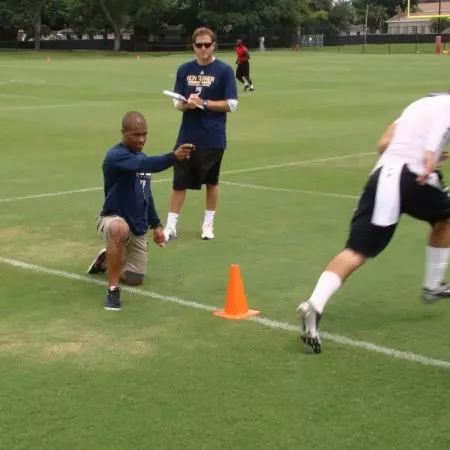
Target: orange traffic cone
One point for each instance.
(235, 302)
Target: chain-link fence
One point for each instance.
(255, 40)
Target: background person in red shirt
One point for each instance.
(243, 66)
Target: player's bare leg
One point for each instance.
(116, 252)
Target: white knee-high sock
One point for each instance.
(326, 286)
(436, 266)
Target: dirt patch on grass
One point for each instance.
(12, 233)
(62, 339)
(42, 247)
(66, 348)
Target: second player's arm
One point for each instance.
(437, 135)
(385, 140)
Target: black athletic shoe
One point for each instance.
(112, 299)
(99, 264)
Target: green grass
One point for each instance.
(161, 376)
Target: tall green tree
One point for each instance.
(381, 10)
(438, 25)
(148, 16)
(29, 12)
(8, 30)
(342, 15)
(116, 12)
(87, 16)
(239, 14)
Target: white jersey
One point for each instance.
(423, 126)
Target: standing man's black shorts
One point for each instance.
(203, 167)
(243, 69)
(426, 203)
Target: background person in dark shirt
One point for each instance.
(209, 86)
(129, 210)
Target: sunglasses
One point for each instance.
(203, 44)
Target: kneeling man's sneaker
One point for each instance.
(112, 299)
(99, 263)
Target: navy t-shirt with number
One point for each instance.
(215, 81)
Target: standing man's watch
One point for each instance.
(204, 104)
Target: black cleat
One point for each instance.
(312, 343)
(433, 295)
(309, 327)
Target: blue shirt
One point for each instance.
(204, 128)
(128, 194)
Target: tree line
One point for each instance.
(149, 17)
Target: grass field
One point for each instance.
(165, 373)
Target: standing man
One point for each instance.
(243, 66)
(209, 86)
(128, 210)
(403, 181)
(261, 44)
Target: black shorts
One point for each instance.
(425, 203)
(243, 69)
(202, 168)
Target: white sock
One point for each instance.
(436, 266)
(209, 217)
(326, 286)
(172, 219)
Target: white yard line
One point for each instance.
(20, 96)
(227, 172)
(297, 163)
(56, 194)
(298, 191)
(50, 194)
(53, 106)
(68, 105)
(341, 340)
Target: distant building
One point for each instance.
(402, 24)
